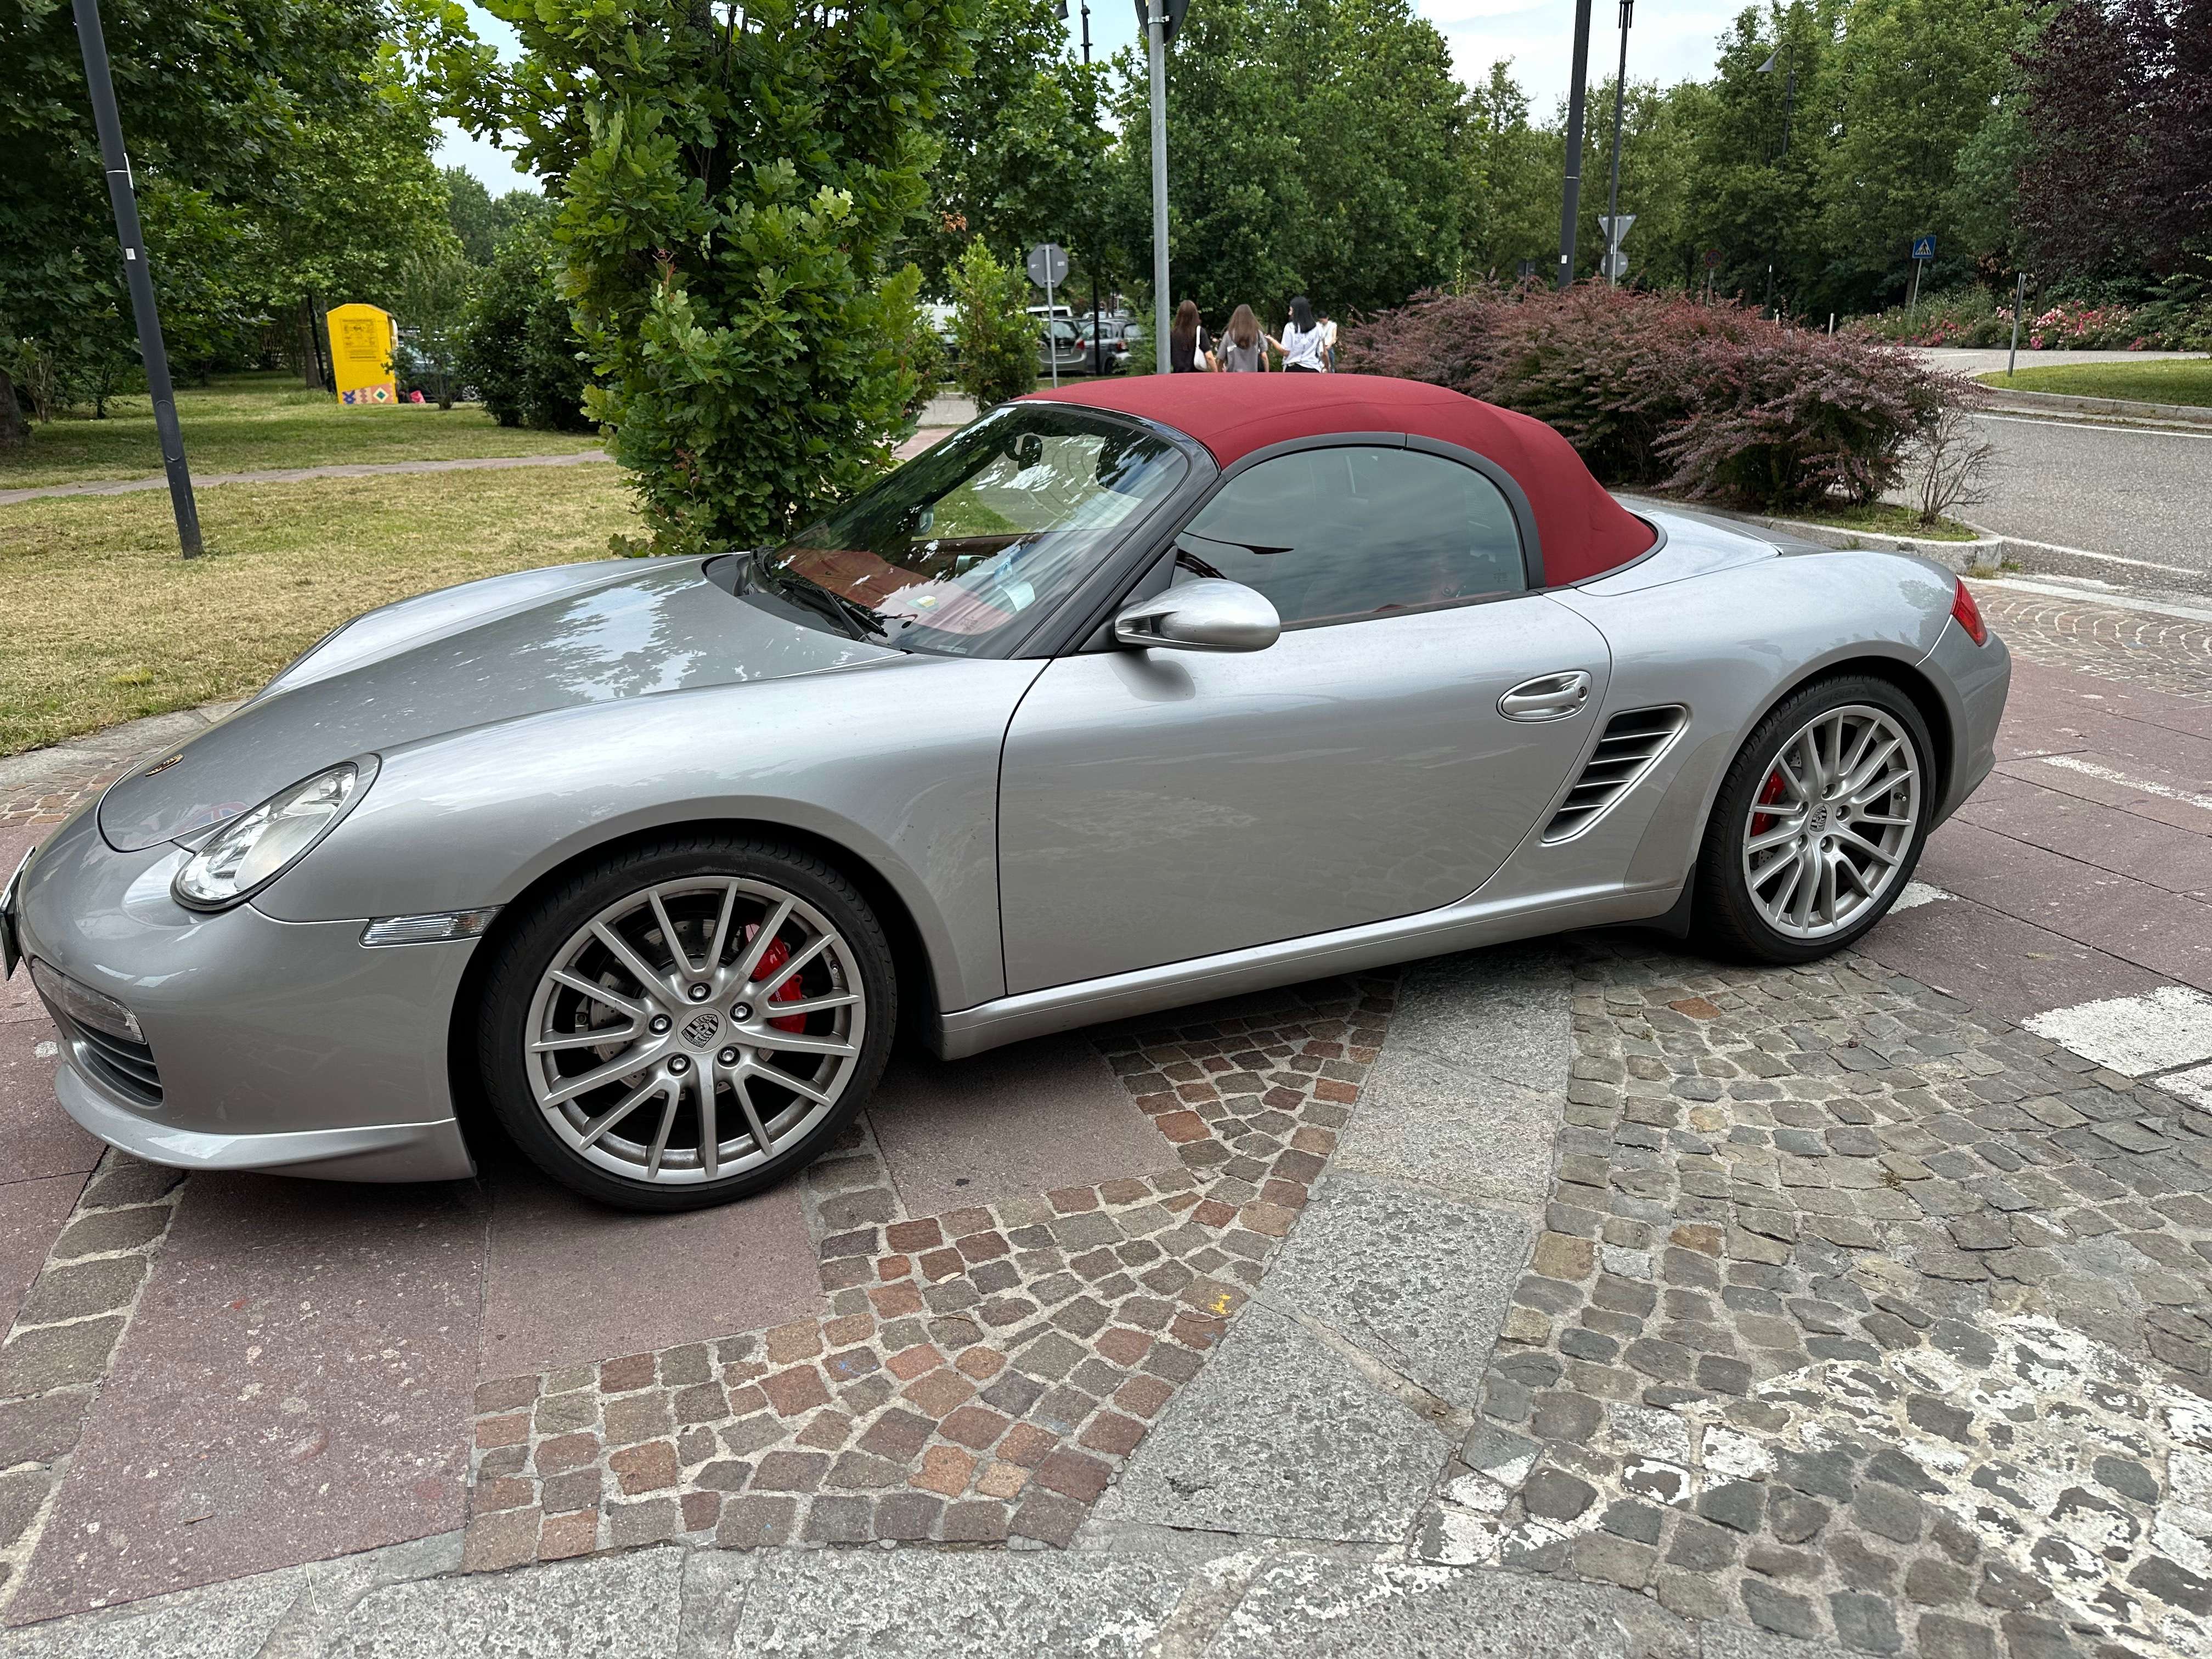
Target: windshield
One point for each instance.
(963, 543)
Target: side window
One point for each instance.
(1336, 534)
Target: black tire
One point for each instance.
(528, 952)
(1725, 920)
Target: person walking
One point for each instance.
(1245, 346)
(1328, 346)
(1304, 344)
(1190, 350)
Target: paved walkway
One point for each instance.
(300, 475)
(1976, 360)
(1579, 1297)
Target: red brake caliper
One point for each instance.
(1769, 793)
(774, 957)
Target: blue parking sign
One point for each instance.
(1923, 247)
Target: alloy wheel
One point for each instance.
(694, 1030)
(1828, 834)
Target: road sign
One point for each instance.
(1923, 247)
(1616, 265)
(1523, 269)
(1713, 257)
(1173, 11)
(1614, 239)
(1048, 264)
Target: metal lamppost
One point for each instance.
(1570, 204)
(93, 41)
(1156, 29)
(1090, 193)
(1788, 53)
(1612, 195)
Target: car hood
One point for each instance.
(488, 650)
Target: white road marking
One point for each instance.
(2087, 426)
(1918, 893)
(2106, 594)
(2105, 558)
(2194, 1086)
(2134, 1035)
(2091, 769)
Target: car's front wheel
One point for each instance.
(1819, 822)
(684, 1023)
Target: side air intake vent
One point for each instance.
(1631, 743)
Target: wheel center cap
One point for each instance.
(700, 1030)
(1820, 818)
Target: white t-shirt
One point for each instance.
(1306, 348)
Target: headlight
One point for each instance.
(256, 847)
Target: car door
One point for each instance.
(1158, 804)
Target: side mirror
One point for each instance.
(1208, 615)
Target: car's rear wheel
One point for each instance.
(685, 1024)
(1819, 822)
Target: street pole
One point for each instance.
(1620, 96)
(93, 43)
(1572, 204)
(1156, 24)
(1097, 345)
(2019, 305)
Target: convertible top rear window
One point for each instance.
(965, 546)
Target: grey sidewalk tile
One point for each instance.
(1502, 1011)
(1422, 1121)
(223, 1621)
(1320, 1608)
(1282, 1437)
(1421, 1280)
(608, 1604)
(913, 1604)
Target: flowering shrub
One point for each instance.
(1653, 390)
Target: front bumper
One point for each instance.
(280, 1045)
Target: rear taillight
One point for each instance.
(1968, 615)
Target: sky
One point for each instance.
(1671, 40)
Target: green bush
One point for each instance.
(1662, 391)
(520, 349)
(994, 339)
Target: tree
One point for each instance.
(1021, 144)
(520, 349)
(235, 112)
(1916, 80)
(1315, 145)
(994, 339)
(2117, 177)
(481, 221)
(1513, 169)
(730, 181)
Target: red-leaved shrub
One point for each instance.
(1711, 400)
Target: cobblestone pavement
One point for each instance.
(984, 1373)
(2164, 654)
(1581, 1297)
(1861, 1315)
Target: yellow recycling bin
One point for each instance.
(362, 341)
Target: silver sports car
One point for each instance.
(1122, 697)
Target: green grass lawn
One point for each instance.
(2158, 380)
(106, 622)
(252, 422)
(1888, 519)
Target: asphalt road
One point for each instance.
(2138, 496)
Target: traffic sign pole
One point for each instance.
(1156, 25)
(1616, 262)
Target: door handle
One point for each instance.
(1546, 698)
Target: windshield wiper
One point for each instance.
(850, 615)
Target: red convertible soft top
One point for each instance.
(1584, 531)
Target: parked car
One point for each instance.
(1060, 347)
(1139, 693)
(1119, 341)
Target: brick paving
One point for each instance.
(983, 1374)
(1861, 1315)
